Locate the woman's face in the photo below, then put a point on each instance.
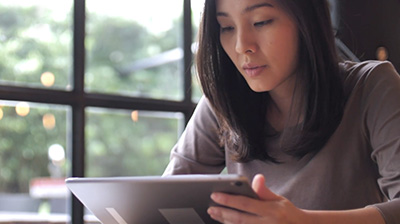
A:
(262, 41)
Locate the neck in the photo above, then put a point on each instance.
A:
(278, 112)
(285, 108)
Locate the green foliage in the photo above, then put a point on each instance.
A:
(24, 144)
(113, 44)
(32, 42)
(134, 147)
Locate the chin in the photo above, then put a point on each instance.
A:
(259, 89)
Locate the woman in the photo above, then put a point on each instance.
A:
(320, 138)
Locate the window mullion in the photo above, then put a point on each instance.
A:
(78, 109)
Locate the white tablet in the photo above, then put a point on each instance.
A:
(180, 199)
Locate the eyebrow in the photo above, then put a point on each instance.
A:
(248, 9)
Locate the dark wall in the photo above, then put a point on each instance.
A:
(365, 25)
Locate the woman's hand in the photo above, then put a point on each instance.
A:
(269, 208)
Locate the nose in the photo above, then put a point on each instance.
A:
(245, 42)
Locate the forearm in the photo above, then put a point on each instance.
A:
(362, 216)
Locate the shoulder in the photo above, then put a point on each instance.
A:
(204, 107)
(204, 113)
(362, 70)
(368, 74)
(352, 66)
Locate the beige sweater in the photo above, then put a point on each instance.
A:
(359, 165)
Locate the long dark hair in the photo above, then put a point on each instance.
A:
(242, 112)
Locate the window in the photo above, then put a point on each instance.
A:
(134, 48)
(33, 145)
(36, 43)
(139, 142)
(89, 88)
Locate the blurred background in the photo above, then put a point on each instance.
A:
(105, 88)
(119, 103)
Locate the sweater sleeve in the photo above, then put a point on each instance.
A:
(382, 119)
(198, 150)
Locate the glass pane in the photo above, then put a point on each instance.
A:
(196, 88)
(197, 9)
(129, 143)
(33, 164)
(35, 43)
(133, 48)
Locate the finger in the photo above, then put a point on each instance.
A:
(241, 203)
(215, 214)
(262, 190)
(232, 201)
(226, 215)
(248, 205)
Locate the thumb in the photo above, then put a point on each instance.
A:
(262, 190)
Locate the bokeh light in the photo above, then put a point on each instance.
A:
(49, 121)
(47, 79)
(22, 109)
(56, 153)
(135, 115)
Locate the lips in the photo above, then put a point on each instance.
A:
(253, 70)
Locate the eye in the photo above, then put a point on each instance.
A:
(263, 23)
(226, 29)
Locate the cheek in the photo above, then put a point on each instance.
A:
(286, 51)
(293, 53)
(227, 46)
